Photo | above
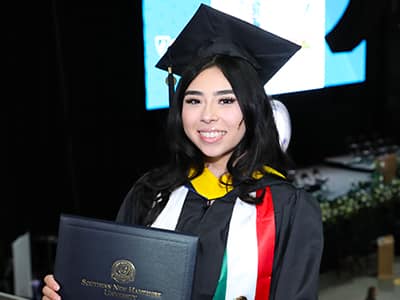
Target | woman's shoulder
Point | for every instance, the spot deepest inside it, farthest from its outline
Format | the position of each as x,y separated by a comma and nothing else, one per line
285,193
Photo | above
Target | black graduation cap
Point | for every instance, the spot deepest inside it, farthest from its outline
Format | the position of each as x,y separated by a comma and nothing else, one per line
211,32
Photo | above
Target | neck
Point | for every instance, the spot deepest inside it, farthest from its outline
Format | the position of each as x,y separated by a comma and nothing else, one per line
217,170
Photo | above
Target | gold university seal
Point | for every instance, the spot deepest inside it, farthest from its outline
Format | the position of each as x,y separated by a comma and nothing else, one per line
123,271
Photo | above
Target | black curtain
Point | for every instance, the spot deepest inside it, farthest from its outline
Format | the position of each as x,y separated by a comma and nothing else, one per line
76,128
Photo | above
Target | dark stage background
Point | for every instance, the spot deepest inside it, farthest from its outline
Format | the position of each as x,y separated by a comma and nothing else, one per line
77,133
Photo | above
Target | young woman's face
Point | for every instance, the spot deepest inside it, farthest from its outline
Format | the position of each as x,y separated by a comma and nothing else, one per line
211,116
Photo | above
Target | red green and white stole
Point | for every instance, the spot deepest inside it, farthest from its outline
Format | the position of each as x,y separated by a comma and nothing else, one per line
247,274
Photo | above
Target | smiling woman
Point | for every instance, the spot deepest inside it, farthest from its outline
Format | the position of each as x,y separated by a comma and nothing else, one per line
260,237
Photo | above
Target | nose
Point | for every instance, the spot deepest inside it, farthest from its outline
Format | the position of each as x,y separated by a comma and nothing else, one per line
209,113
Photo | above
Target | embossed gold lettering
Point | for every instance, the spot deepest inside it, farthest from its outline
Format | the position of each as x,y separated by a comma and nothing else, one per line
91,283
119,294
120,288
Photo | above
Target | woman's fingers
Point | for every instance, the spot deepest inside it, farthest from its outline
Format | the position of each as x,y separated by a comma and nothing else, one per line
49,294
50,289
51,282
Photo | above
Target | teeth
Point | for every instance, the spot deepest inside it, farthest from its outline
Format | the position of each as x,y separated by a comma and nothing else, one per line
212,134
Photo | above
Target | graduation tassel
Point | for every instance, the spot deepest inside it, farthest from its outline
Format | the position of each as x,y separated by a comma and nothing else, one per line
171,85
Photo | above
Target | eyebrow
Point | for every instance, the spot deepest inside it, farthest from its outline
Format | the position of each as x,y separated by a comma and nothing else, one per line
217,93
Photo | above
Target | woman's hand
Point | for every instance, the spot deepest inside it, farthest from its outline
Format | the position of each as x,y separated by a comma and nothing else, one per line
50,288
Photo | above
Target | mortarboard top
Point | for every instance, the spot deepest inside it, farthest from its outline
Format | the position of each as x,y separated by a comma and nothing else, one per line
211,32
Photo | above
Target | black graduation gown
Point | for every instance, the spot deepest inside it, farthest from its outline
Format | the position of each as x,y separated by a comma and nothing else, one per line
298,244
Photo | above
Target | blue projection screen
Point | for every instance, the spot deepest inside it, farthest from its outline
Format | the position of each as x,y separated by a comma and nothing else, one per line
305,22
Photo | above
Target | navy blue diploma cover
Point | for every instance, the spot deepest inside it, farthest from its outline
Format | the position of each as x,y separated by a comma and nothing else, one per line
98,259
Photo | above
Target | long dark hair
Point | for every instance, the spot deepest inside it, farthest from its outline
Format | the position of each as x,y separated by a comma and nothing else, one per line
258,148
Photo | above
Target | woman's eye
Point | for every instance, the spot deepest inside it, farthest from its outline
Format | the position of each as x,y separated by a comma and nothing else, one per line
192,101
227,100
